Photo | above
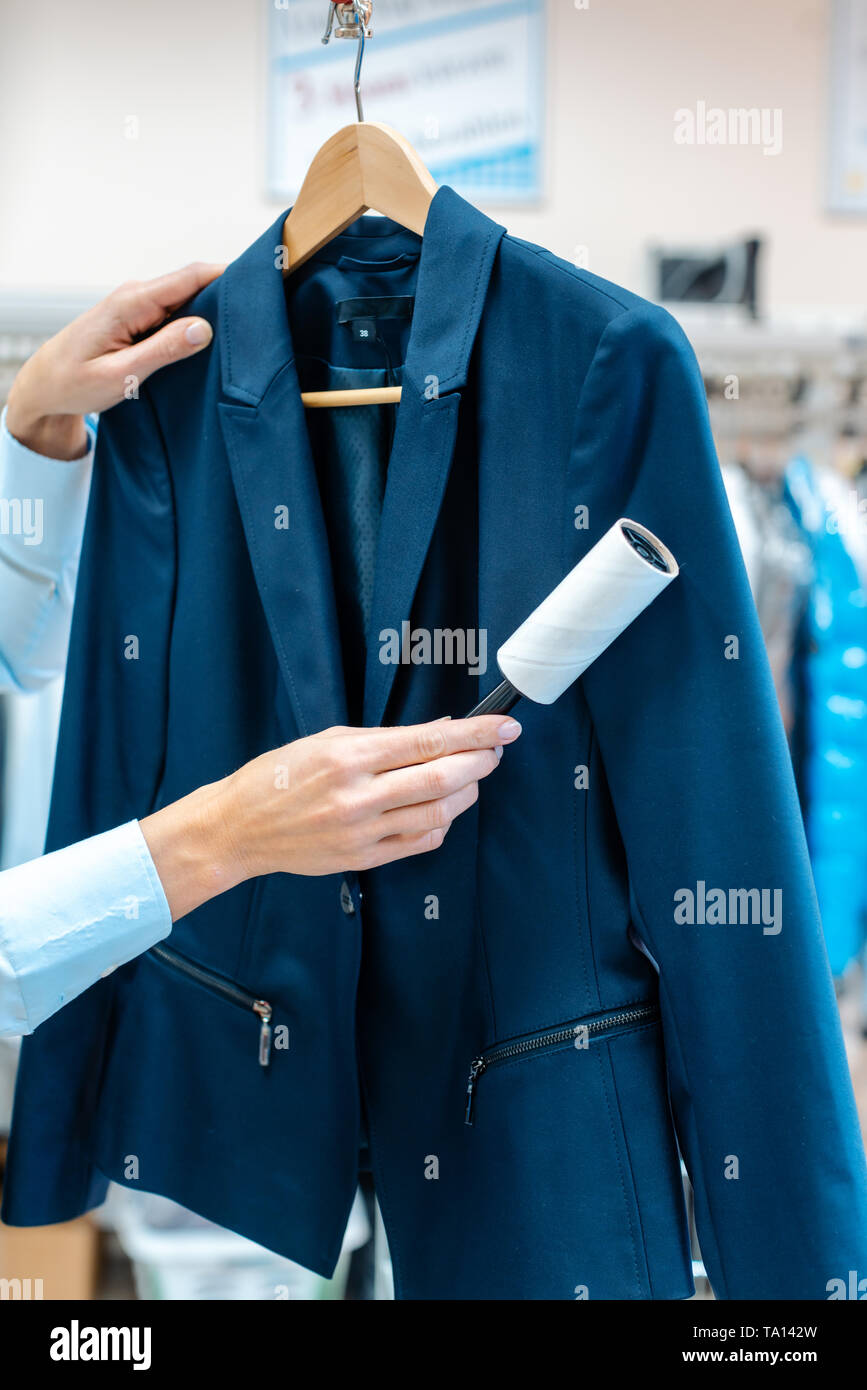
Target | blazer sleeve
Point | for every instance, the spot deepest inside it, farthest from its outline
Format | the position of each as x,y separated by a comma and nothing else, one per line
700,775
113,725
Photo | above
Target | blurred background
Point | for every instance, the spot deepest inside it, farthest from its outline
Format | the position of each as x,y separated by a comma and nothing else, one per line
710,157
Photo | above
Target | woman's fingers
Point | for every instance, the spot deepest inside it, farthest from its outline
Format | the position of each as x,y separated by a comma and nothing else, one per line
401,847
382,749
410,786
136,308
179,339
114,327
101,356
429,815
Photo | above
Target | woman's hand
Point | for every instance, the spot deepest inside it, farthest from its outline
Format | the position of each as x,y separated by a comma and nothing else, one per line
86,367
340,800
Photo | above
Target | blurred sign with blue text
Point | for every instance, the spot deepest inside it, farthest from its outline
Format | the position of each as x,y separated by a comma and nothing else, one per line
462,80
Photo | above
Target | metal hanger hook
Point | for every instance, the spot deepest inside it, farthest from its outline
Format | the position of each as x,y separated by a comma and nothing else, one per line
353,22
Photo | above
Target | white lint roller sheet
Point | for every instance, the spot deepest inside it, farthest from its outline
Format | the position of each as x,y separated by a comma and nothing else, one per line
605,592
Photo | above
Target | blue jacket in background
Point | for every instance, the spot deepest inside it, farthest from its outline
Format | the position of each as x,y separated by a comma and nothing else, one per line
832,735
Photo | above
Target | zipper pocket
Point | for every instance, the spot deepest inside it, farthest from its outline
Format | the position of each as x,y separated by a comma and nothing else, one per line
226,990
603,1025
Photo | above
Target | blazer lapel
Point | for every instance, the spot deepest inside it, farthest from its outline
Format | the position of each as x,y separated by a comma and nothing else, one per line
458,253
263,425
274,475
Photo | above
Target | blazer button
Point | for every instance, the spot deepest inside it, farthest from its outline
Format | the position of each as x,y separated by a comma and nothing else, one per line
346,899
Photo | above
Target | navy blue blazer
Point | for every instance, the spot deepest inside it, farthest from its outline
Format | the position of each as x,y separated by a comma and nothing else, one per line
615,957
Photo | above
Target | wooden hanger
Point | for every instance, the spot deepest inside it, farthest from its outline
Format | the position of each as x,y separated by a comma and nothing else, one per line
364,166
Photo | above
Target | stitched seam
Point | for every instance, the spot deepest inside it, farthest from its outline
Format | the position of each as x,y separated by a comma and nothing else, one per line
379,1182
226,330
630,1167
627,1032
276,634
571,275
265,588
587,851
617,1156
699,1155
587,795
146,397
83,1141
483,950
578,407
441,465
225,326
471,325
566,565
253,914
492,1012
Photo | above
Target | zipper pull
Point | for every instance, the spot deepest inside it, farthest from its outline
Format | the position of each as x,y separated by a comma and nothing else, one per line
264,1012
475,1072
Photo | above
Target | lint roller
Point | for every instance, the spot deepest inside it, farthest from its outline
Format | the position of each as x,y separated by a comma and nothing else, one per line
606,591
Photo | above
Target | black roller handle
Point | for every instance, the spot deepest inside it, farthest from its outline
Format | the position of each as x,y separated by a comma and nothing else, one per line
500,701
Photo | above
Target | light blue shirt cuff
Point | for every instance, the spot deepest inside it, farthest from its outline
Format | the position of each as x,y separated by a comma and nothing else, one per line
51,497
72,916
43,503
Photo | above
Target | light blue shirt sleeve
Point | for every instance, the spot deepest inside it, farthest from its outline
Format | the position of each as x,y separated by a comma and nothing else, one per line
72,916
43,504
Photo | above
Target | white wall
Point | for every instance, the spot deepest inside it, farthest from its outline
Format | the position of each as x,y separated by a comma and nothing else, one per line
84,207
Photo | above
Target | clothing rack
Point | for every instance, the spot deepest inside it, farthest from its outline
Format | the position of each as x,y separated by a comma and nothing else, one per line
775,390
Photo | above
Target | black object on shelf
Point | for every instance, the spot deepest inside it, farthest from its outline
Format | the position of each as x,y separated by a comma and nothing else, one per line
712,275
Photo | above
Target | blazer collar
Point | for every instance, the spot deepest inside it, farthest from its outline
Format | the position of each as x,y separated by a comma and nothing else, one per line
269,451
458,251
255,342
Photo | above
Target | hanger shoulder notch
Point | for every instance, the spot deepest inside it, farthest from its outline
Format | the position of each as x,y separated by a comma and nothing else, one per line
394,179
362,166
331,198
